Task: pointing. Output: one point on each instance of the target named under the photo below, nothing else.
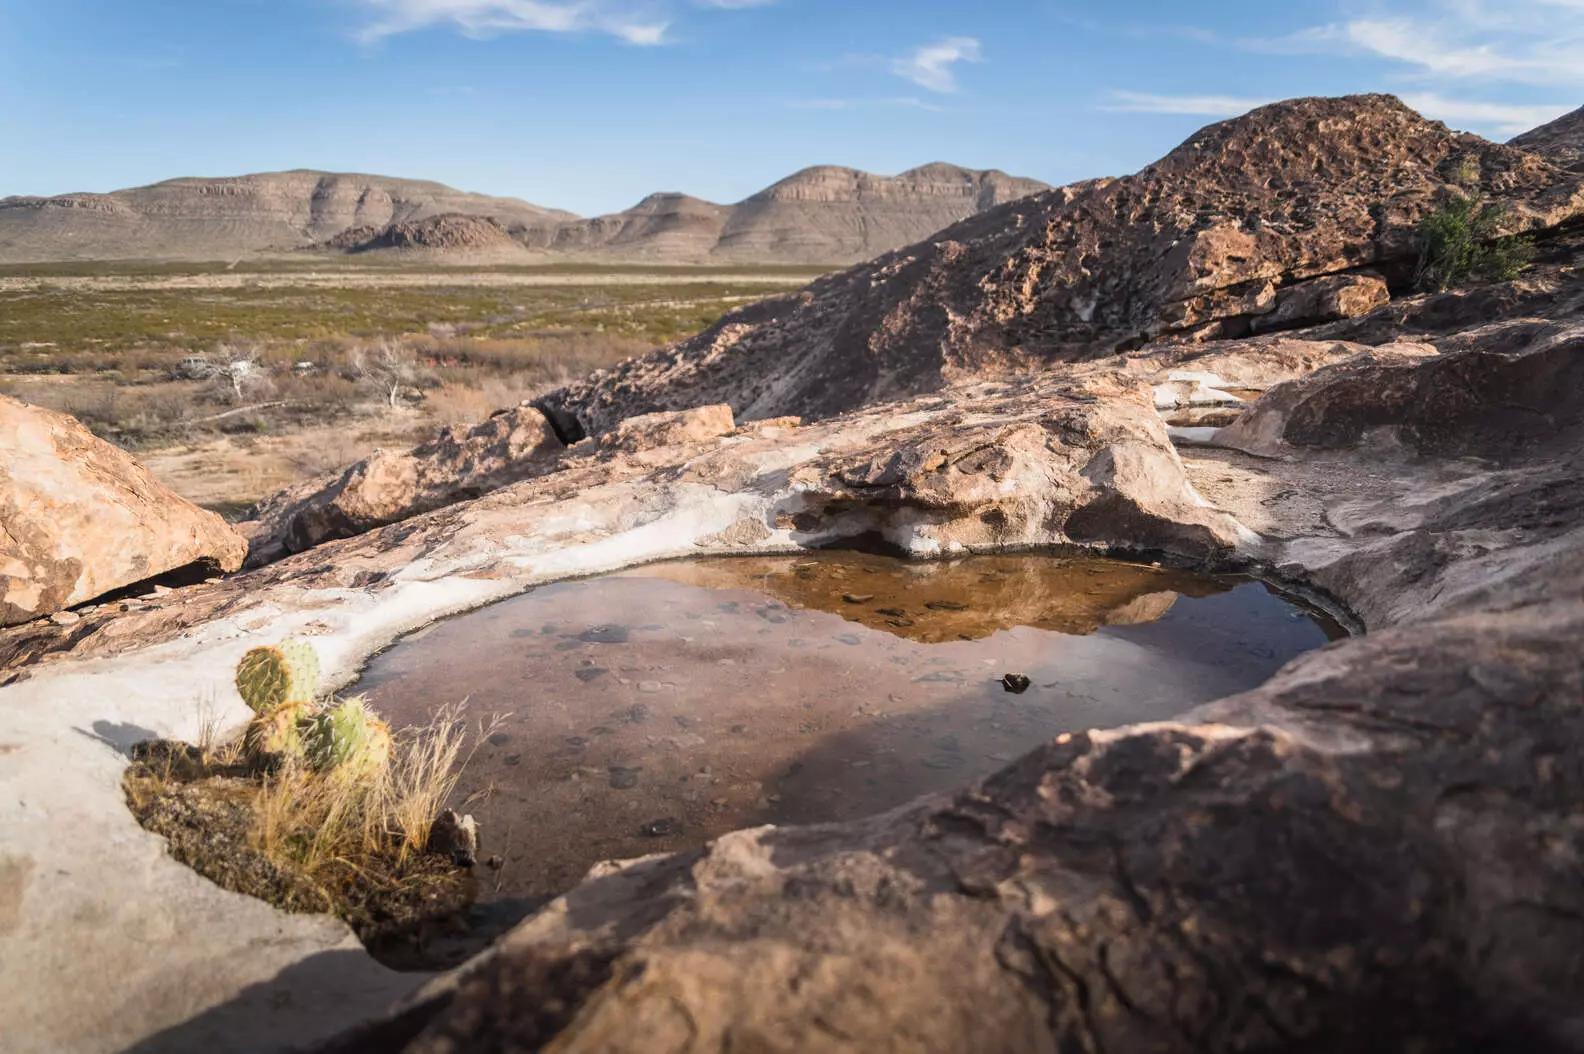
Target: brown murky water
(654, 709)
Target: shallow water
(654, 709)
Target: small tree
(237, 373)
(1460, 243)
(388, 365)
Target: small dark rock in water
(857, 598)
(738, 729)
(730, 607)
(636, 714)
(589, 673)
(520, 633)
(684, 721)
(850, 638)
(893, 612)
(623, 778)
(604, 635)
(455, 836)
(512, 759)
(499, 739)
(495, 863)
(1015, 683)
(661, 828)
(771, 614)
(568, 645)
(946, 605)
(577, 741)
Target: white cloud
(1197, 105)
(930, 66)
(1530, 42)
(1504, 117)
(483, 18)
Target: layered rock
(1219, 236)
(80, 518)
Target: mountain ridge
(819, 214)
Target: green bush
(1460, 243)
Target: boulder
(80, 518)
(666, 429)
(387, 487)
(1325, 300)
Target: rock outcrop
(1560, 142)
(1221, 236)
(80, 518)
(387, 486)
(451, 233)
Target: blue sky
(590, 104)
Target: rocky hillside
(452, 232)
(819, 215)
(1296, 213)
(1561, 142)
(213, 219)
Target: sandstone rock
(386, 487)
(1198, 243)
(79, 518)
(655, 430)
(1509, 387)
(1325, 300)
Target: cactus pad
(268, 678)
(275, 735)
(350, 739)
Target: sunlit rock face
(79, 518)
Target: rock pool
(651, 710)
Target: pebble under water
(654, 709)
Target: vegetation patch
(1462, 243)
(317, 807)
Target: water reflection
(657, 708)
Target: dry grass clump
(350, 840)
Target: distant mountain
(824, 214)
(819, 215)
(214, 219)
(1561, 142)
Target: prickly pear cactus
(274, 736)
(268, 678)
(348, 738)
